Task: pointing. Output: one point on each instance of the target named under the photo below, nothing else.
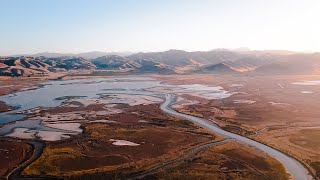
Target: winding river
(293, 167)
(51, 92)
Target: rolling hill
(122, 64)
(168, 62)
(27, 66)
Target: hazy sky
(31, 26)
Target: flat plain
(121, 132)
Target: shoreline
(37, 148)
(301, 162)
(166, 108)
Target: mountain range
(168, 62)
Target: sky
(74, 26)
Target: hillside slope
(27, 66)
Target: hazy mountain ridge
(172, 61)
(293, 64)
(114, 62)
(26, 66)
(88, 55)
(182, 58)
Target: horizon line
(241, 49)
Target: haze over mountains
(239, 61)
(90, 55)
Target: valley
(159, 90)
(115, 128)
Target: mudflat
(114, 127)
(269, 109)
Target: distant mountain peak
(178, 61)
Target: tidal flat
(108, 118)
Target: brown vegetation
(226, 161)
(12, 154)
(159, 137)
(281, 117)
(4, 107)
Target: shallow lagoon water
(306, 92)
(243, 101)
(47, 95)
(119, 142)
(51, 93)
(307, 83)
(107, 91)
(294, 167)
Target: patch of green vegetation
(221, 118)
(201, 133)
(237, 130)
(185, 122)
(316, 167)
(46, 164)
